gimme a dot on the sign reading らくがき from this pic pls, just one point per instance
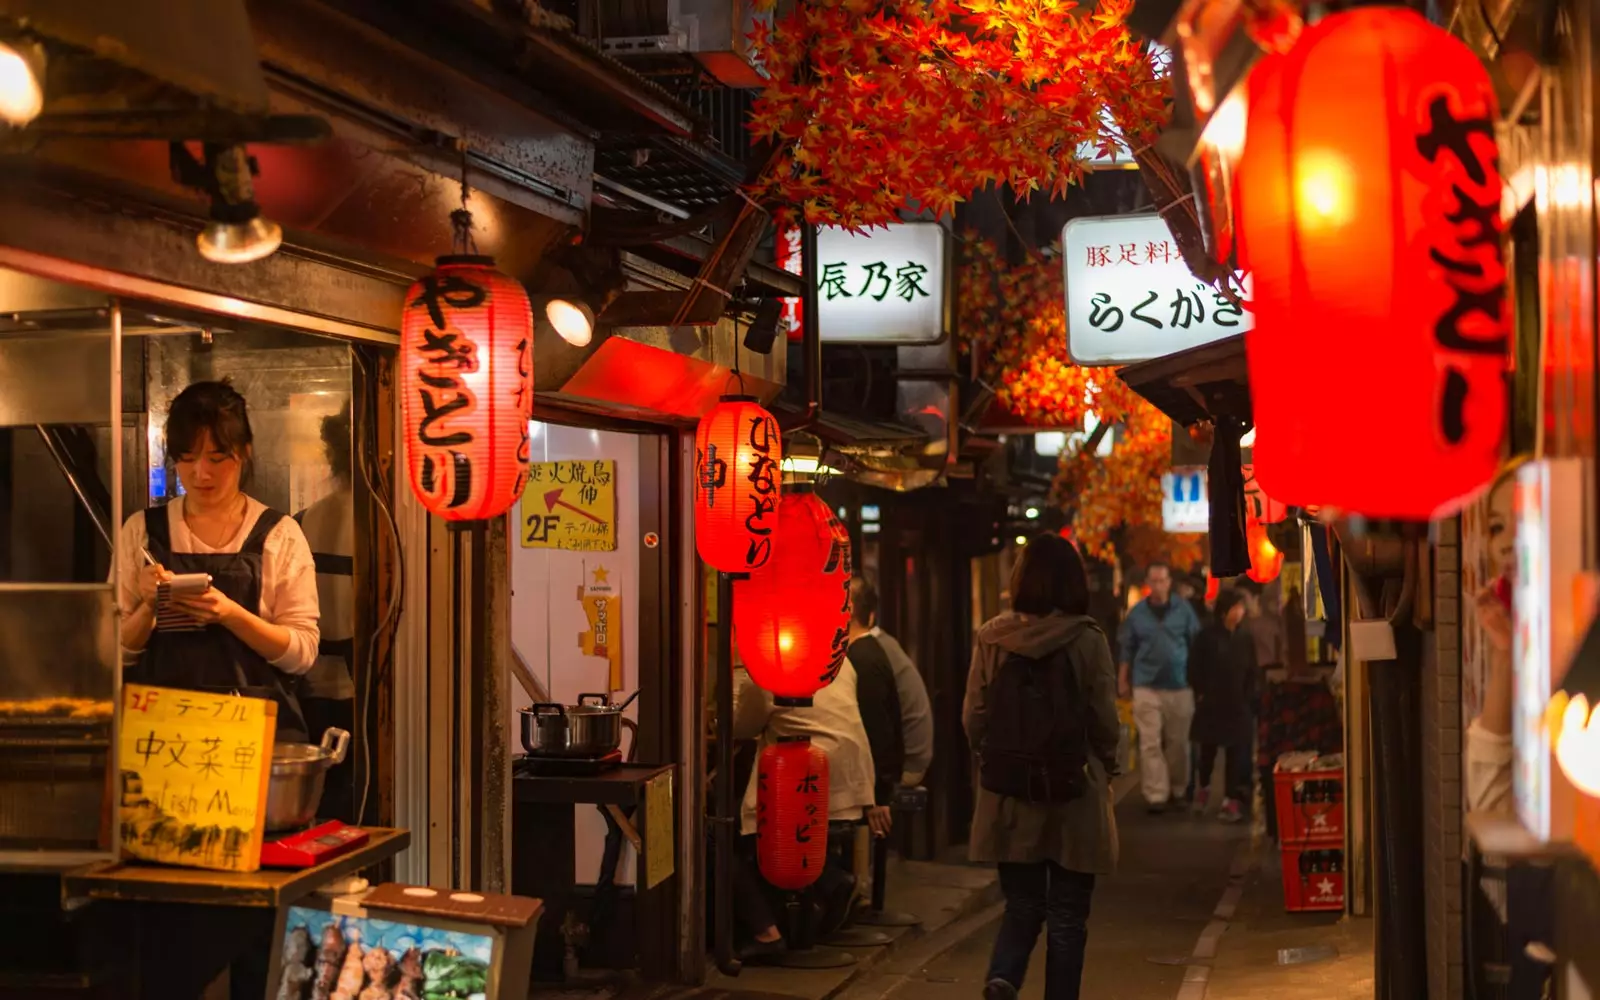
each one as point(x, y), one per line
point(1130, 296)
point(886, 286)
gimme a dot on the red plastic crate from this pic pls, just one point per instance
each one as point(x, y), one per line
point(1310, 806)
point(1313, 878)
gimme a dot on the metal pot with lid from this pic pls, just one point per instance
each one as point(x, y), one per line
point(591, 728)
point(294, 790)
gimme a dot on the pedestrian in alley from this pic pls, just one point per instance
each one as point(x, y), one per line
point(1154, 671)
point(916, 711)
point(1041, 715)
point(1225, 679)
point(878, 700)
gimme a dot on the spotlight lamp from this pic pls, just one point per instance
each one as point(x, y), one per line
point(237, 233)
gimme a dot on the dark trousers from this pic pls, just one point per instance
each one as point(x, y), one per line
point(1236, 776)
point(1043, 894)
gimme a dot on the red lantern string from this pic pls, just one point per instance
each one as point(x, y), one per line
point(792, 813)
point(738, 454)
point(466, 388)
point(791, 616)
point(1370, 221)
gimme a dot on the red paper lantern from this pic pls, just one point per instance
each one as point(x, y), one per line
point(1258, 506)
point(1266, 559)
point(738, 451)
point(791, 617)
point(466, 388)
point(1370, 222)
point(792, 813)
point(1213, 588)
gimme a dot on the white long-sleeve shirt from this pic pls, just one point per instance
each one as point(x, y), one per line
point(916, 713)
point(288, 584)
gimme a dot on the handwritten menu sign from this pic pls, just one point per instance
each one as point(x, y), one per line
point(571, 505)
point(194, 769)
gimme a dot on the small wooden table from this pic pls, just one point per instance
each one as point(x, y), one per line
point(189, 924)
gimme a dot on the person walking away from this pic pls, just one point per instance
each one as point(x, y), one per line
point(878, 699)
point(1224, 676)
point(1041, 715)
point(1153, 669)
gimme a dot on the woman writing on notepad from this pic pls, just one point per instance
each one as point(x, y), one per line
point(255, 627)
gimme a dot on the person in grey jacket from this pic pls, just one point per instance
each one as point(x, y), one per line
point(916, 713)
point(1048, 853)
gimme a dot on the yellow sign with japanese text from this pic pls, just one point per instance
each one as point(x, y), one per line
point(602, 608)
point(194, 776)
point(571, 504)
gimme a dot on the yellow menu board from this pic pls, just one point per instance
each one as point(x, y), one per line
point(194, 776)
point(571, 505)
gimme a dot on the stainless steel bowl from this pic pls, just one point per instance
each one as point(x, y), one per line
point(298, 770)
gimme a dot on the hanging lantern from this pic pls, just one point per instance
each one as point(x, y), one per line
point(466, 388)
point(736, 485)
point(791, 617)
point(1257, 505)
point(1265, 558)
point(1213, 588)
point(792, 812)
point(1370, 223)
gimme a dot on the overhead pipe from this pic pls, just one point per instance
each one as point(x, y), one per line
point(810, 332)
point(724, 818)
point(60, 450)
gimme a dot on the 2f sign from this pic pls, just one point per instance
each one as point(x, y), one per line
point(1131, 297)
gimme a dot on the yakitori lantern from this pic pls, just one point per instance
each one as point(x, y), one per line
point(466, 388)
point(1265, 558)
point(791, 812)
point(737, 482)
point(791, 616)
point(1370, 223)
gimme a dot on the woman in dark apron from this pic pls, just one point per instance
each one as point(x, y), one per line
point(257, 623)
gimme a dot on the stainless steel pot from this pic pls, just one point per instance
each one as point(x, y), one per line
point(298, 770)
point(591, 728)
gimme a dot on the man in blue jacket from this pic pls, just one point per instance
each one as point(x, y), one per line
point(1154, 670)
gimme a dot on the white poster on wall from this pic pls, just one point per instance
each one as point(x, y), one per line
point(1184, 505)
point(1130, 296)
point(885, 286)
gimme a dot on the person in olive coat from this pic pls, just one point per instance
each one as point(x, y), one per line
point(1222, 671)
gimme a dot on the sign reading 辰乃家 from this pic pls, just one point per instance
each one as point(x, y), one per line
point(1130, 296)
point(194, 776)
point(886, 286)
point(571, 504)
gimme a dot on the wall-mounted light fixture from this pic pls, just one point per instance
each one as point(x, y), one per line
point(1574, 729)
point(21, 81)
point(237, 233)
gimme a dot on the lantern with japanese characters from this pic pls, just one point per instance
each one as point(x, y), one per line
point(1370, 223)
point(466, 388)
point(1266, 559)
point(791, 617)
point(1258, 507)
point(737, 482)
point(791, 812)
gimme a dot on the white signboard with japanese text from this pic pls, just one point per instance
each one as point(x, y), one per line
point(1184, 507)
point(1130, 296)
point(886, 286)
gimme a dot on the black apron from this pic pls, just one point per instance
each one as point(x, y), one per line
point(213, 659)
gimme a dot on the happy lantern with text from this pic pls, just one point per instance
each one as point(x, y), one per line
point(791, 617)
point(738, 451)
point(1370, 222)
point(466, 388)
point(791, 812)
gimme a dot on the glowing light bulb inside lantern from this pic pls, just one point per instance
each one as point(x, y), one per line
point(1578, 746)
point(785, 641)
point(1322, 188)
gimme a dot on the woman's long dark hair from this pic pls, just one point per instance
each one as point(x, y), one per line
point(1049, 576)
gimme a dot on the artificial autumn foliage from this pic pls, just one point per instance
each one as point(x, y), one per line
point(890, 104)
point(1011, 319)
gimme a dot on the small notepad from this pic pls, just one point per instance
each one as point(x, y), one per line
point(169, 616)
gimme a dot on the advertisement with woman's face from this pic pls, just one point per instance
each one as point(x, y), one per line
point(1488, 566)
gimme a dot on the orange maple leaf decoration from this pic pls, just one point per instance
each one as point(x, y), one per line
point(1011, 320)
point(889, 105)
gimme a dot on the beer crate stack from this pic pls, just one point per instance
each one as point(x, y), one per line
point(1309, 798)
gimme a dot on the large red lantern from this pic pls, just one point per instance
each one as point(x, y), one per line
point(791, 617)
point(1257, 505)
point(466, 388)
point(1370, 222)
point(738, 451)
point(792, 812)
point(1266, 559)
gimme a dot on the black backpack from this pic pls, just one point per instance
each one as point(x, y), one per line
point(1035, 746)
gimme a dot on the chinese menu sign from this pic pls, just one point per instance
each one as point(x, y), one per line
point(571, 505)
point(1130, 296)
point(886, 286)
point(602, 612)
point(194, 776)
